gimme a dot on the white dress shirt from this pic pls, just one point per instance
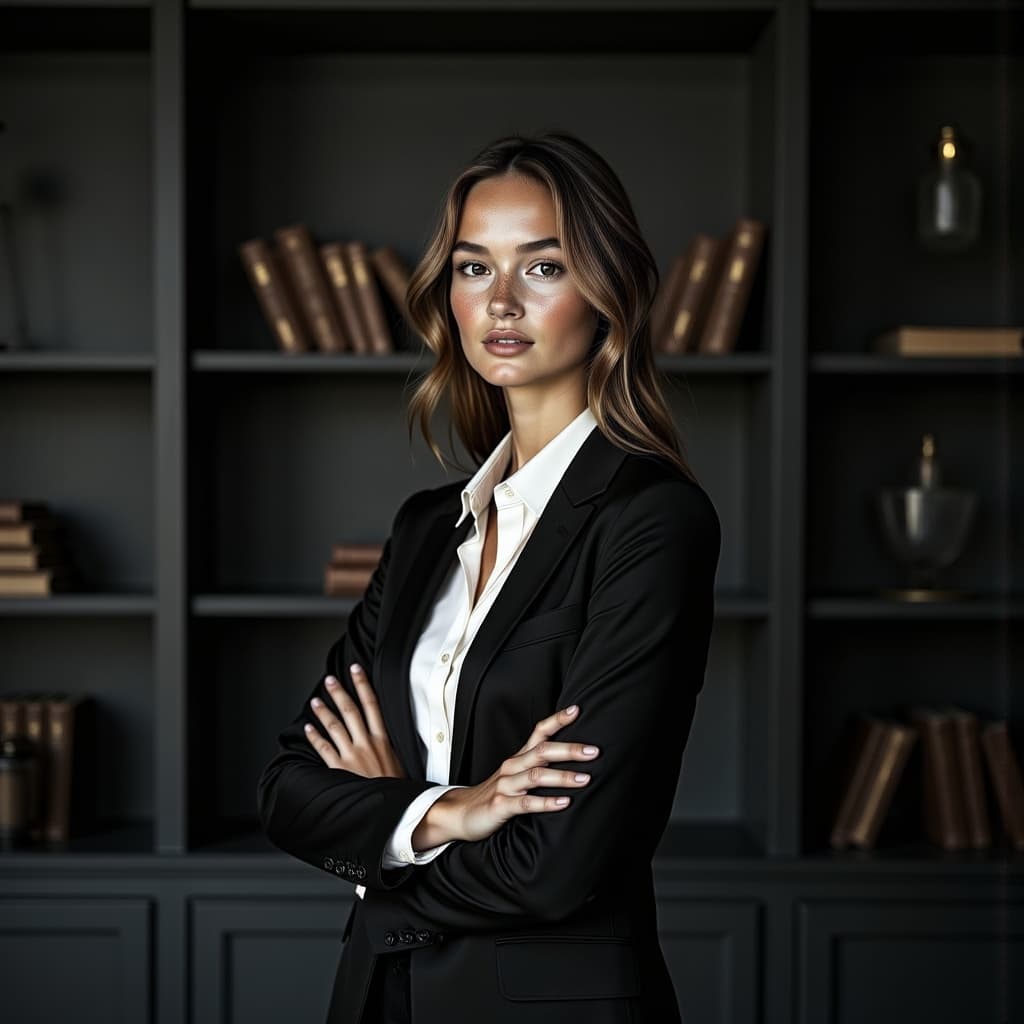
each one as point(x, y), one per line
point(453, 621)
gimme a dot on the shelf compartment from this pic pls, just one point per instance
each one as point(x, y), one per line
point(54, 361)
point(75, 605)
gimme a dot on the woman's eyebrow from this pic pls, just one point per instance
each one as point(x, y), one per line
point(541, 243)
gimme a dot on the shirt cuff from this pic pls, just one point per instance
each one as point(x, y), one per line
point(398, 850)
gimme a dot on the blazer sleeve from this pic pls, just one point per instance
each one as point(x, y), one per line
point(635, 674)
point(331, 818)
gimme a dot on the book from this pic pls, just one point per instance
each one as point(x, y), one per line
point(301, 260)
point(273, 292)
point(16, 511)
point(1004, 771)
point(970, 775)
point(943, 815)
point(950, 341)
point(394, 276)
point(368, 298)
point(868, 733)
point(883, 777)
point(334, 257)
point(351, 554)
point(740, 260)
point(347, 579)
point(704, 264)
point(665, 299)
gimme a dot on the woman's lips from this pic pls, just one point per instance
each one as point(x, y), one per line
point(499, 348)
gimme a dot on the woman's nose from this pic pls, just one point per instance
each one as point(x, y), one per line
point(504, 298)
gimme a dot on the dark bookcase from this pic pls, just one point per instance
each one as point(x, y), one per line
point(204, 474)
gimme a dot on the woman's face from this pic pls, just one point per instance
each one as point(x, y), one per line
point(508, 273)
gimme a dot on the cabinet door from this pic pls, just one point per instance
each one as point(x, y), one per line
point(876, 963)
point(712, 953)
point(264, 961)
point(75, 960)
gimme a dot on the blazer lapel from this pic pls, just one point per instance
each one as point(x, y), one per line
point(570, 506)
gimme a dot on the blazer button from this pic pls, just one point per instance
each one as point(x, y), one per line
point(329, 863)
point(339, 868)
point(389, 939)
point(360, 872)
point(408, 937)
point(423, 936)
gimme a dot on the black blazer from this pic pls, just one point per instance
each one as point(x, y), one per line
point(553, 917)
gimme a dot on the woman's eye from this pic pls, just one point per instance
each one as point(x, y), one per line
point(558, 269)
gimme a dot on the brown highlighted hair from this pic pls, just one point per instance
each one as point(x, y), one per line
point(611, 265)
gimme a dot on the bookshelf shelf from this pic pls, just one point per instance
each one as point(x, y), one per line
point(76, 362)
point(982, 608)
point(996, 366)
point(81, 604)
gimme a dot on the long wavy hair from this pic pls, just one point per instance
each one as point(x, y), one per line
point(611, 265)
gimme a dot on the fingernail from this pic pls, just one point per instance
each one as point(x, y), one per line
point(316, 702)
point(308, 728)
point(354, 668)
point(590, 750)
point(331, 681)
point(571, 710)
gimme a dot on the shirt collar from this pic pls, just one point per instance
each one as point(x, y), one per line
point(533, 482)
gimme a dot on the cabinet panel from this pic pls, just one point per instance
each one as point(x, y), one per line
point(873, 963)
point(712, 951)
point(265, 961)
point(75, 959)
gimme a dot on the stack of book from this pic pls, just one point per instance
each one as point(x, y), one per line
point(32, 560)
point(328, 297)
point(953, 802)
point(350, 568)
point(62, 729)
point(703, 300)
point(950, 341)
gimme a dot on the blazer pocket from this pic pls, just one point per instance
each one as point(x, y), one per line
point(566, 967)
point(555, 622)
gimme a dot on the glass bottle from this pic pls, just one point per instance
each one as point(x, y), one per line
point(948, 199)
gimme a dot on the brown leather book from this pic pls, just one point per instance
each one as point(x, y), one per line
point(26, 535)
point(71, 771)
point(334, 257)
point(393, 275)
point(35, 556)
point(15, 511)
point(972, 783)
point(868, 733)
point(666, 298)
point(38, 583)
point(887, 770)
point(12, 714)
point(945, 821)
point(704, 264)
point(347, 580)
point(740, 260)
point(301, 260)
point(273, 291)
point(1004, 771)
point(34, 710)
point(950, 341)
point(368, 297)
point(356, 555)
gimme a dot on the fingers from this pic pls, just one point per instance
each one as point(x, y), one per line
point(326, 750)
point(550, 750)
point(538, 775)
point(549, 726)
point(350, 713)
point(368, 698)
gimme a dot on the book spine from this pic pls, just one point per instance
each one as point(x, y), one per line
point(272, 292)
point(703, 271)
point(335, 260)
point(368, 297)
point(305, 271)
point(896, 746)
point(739, 265)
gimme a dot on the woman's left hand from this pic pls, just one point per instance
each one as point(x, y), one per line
point(359, 746)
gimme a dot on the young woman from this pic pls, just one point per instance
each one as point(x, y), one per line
point(493, 750)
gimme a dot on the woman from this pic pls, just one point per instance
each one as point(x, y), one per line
point(553, 609)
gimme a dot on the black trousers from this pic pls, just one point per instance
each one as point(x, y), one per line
point(388, 1000)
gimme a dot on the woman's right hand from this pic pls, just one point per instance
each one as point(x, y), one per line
point(474, 812)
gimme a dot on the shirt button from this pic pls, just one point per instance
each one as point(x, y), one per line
point(444, 657)
point(509, 491)
point(440, 737)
